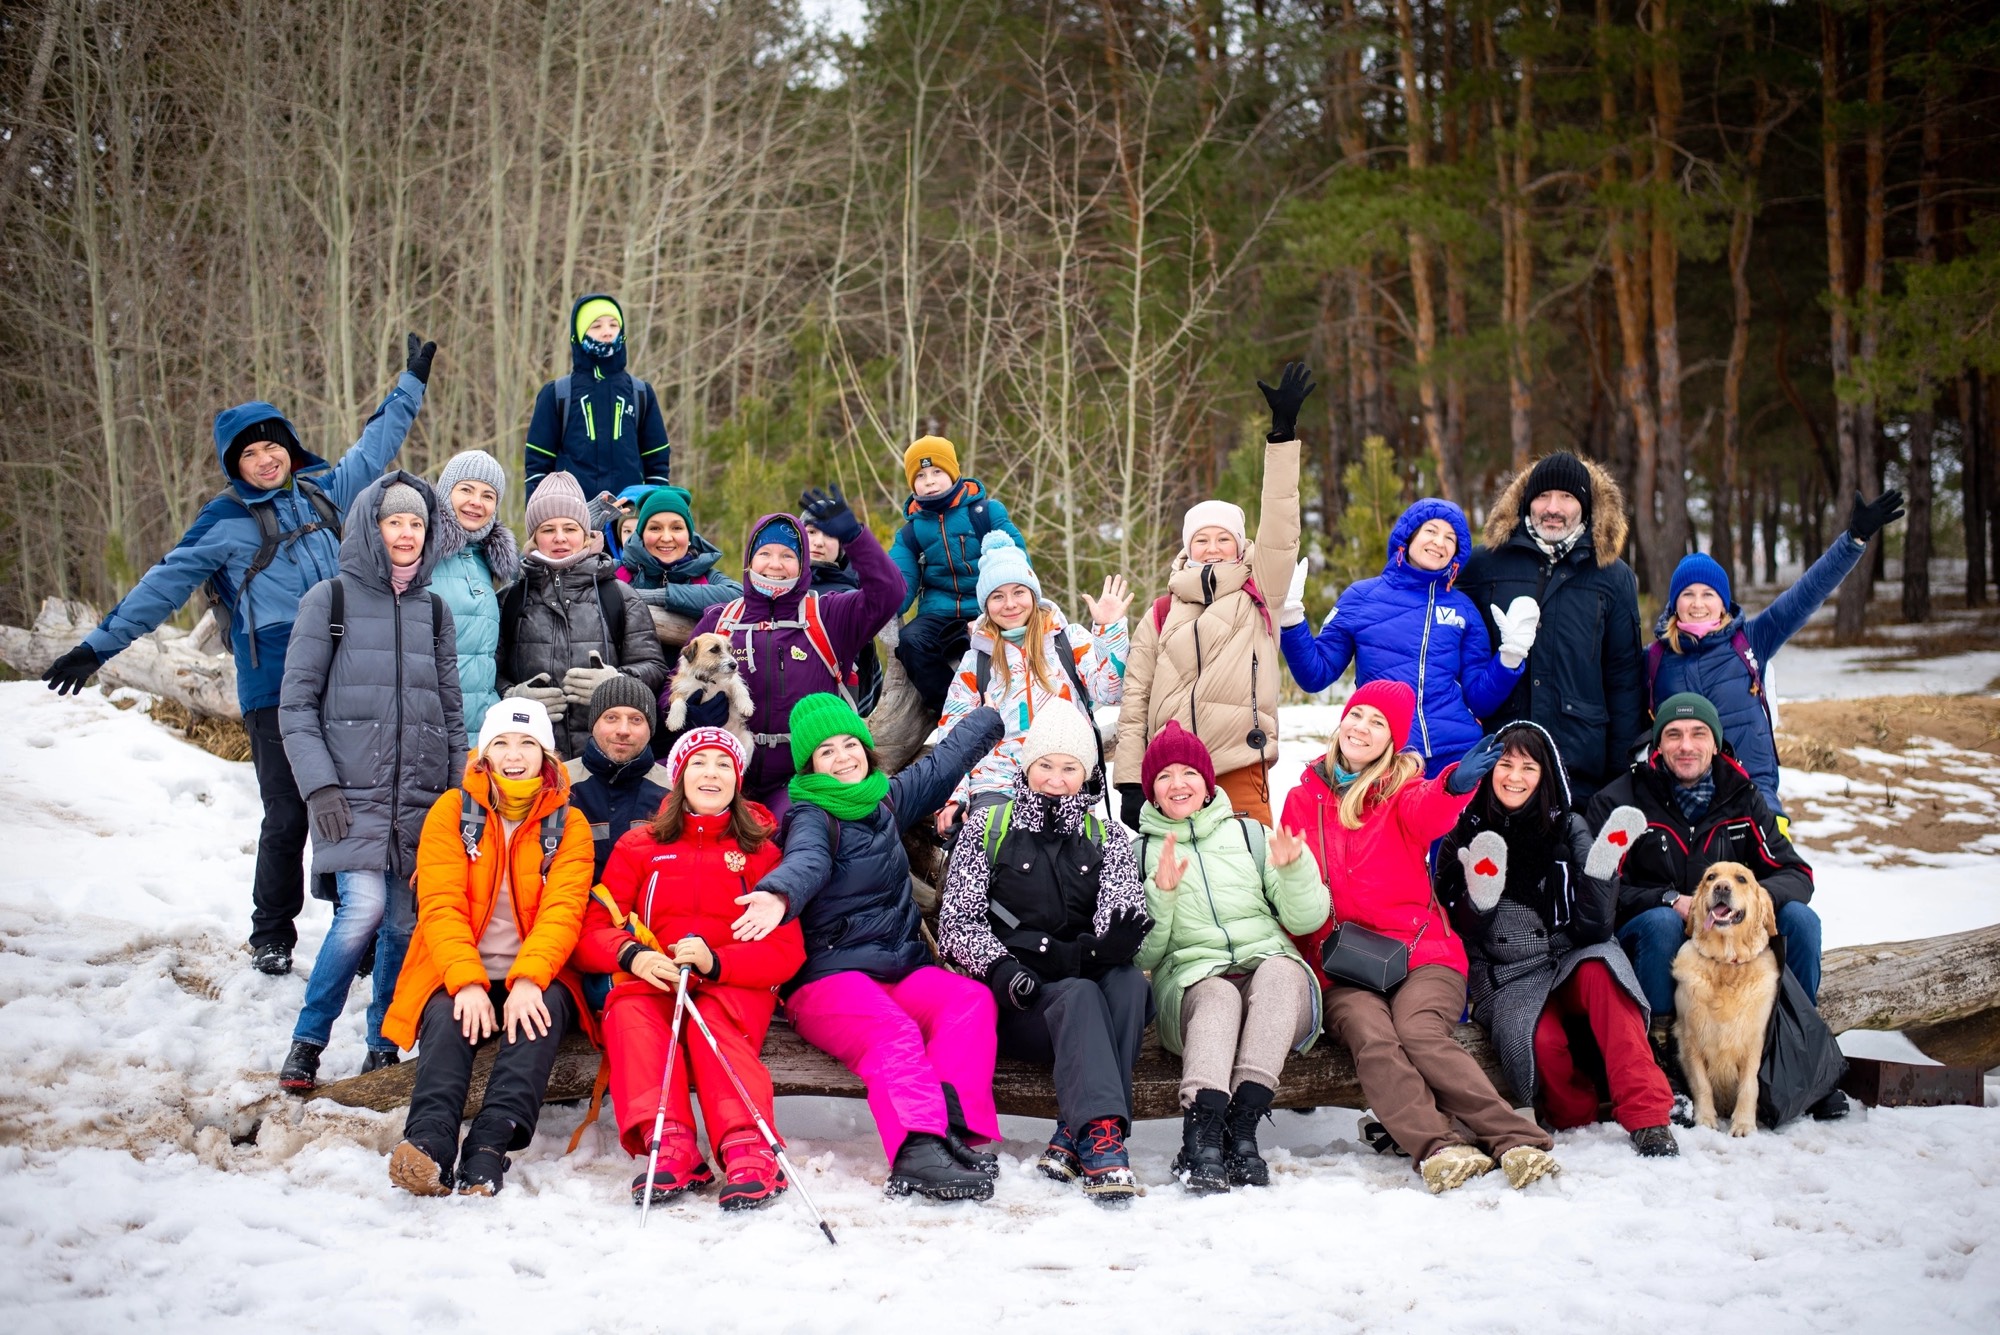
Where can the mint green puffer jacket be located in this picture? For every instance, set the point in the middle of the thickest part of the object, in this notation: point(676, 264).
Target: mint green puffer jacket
point(1227, 913)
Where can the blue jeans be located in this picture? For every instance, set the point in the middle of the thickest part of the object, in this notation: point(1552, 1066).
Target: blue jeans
point(1654, 937)
point(369, 907)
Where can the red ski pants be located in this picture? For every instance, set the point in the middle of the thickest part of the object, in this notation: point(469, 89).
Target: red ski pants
point(1590, 1005)
point(635, 1047)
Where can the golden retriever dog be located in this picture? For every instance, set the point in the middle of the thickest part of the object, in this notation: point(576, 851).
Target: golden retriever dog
point(1725, 982)
point(708, 668)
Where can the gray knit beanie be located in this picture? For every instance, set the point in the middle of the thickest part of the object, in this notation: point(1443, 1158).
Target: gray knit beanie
point(400, 498)
point(624, 692)
point(474, 466)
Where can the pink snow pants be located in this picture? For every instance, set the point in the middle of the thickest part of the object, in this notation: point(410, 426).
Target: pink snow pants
point(904, 1040)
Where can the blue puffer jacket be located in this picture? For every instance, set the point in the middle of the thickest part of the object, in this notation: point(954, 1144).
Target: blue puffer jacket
point(937, 548)
point(224, 538)
point(1412, 626)
point(854, 900)
point(465, 582)
point(1711, 666)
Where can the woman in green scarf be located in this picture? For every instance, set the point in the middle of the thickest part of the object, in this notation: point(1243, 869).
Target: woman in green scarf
point(921, 1038)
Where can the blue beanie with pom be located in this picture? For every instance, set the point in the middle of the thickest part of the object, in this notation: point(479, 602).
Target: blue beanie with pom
point(1001, 562)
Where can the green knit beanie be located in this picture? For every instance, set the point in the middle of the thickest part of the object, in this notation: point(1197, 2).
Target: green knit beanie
point(818, 717)
point(1686, 705)
point(667, 500)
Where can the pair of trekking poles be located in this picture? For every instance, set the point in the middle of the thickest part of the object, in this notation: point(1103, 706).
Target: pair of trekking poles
point(684, 1005)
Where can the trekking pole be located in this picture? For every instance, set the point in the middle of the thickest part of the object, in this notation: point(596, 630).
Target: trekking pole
point(763, 1127)
point(666, 1078)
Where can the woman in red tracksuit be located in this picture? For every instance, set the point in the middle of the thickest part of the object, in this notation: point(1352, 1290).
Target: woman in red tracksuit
point(674, 887)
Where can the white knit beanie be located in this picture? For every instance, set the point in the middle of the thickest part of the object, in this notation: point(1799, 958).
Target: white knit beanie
point(1219, 514)
point(517, 714)
point(1060, 729)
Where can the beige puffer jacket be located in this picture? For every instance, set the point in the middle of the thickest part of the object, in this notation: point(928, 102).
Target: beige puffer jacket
point(1214, 665)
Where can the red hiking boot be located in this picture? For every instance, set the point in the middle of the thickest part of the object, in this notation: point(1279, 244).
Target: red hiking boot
point(752, 1178)
point(681, 1169)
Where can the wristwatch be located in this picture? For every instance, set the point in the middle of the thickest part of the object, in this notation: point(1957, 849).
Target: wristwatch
point(1668, 897)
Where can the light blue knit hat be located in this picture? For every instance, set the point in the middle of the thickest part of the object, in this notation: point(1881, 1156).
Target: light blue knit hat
point(1001, 562)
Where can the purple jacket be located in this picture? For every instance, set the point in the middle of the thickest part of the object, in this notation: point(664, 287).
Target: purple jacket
point(780, 665)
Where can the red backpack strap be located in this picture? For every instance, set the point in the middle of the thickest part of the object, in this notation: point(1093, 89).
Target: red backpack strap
point(1161, 606)
point(815, 629)
point(1741, 644)
point(731, 619)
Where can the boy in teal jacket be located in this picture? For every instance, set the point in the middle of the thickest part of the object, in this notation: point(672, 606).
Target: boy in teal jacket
point(947, 517)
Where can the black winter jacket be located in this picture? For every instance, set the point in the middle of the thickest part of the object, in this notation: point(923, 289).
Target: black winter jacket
point(831, 576)
point(615, 798)
point(1585, 679)
point(561, 620)
point(853, 899)
point(1669, 857)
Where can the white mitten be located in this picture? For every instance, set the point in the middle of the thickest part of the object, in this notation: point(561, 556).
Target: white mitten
point(1517, 626)
point(1293, 611)
point(537, 688)
point(579, 682)
point(1614, 841)
point(1485, 863)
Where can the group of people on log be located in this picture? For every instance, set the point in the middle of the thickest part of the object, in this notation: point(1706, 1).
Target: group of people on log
point(1519, 793)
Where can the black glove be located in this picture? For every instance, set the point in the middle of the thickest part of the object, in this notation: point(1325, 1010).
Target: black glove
point(1474, 766)
point(1014, 984)
point(419, 362)
point(331, 818)
point(1130, 798)
point(829, 513)
point(1119, 941)
point(1286, 400)
point(1870, 517)
point(67, 674)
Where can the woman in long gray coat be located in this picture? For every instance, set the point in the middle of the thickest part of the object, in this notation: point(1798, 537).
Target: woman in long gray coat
point(1529, 890)
point(568, 624)
point(373, 726)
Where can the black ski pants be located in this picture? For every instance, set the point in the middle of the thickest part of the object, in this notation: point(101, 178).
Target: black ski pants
point(1088, 1030)
point(279, 891)
point(514, 1089)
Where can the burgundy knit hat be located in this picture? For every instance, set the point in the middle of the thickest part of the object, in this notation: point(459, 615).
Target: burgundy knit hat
point(1396, 701)
point(1176, 746)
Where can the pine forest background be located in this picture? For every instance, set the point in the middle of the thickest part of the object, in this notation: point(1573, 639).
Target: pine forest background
point(1748, 254)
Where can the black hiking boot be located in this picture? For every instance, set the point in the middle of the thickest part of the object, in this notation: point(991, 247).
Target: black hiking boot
point(1202, 1165)
point(1246, 1167)
point(1060, 1162)
point(482, 1172)
point(378, 1058)
point(1831, 1108)
point(1656, 1142)
point(956, 1131)
point(300, 1073)
point(273, 960)
point(924, 1167)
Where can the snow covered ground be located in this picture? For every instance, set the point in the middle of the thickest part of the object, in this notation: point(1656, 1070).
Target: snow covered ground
point(148, 1174)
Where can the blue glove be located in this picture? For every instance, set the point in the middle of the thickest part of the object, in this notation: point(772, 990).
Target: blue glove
point(1473, 766)
point(827, 511)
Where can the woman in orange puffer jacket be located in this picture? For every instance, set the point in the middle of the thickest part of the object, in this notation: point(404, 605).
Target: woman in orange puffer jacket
point(670, 892)
point(500, 893)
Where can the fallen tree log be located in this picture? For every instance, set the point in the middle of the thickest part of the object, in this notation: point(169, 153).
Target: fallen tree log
point(194, 669)
point(1946, 978)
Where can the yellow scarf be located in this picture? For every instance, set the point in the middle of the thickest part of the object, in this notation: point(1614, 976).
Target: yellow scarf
point(512, 798)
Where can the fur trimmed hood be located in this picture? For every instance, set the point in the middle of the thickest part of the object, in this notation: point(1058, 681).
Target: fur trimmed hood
point(1609, 525)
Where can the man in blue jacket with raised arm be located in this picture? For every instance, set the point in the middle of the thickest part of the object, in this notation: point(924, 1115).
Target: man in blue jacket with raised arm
point(269, 535)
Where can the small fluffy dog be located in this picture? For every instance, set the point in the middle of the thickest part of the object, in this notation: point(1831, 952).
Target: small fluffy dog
point(1726, 980)
point(708, 669)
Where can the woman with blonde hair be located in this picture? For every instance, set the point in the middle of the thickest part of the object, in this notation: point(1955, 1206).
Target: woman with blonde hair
point(1024, 656)
point(1369, 817)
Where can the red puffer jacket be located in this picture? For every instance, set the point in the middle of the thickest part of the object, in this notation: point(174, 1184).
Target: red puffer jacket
point(1379, 875)
point(690, 888)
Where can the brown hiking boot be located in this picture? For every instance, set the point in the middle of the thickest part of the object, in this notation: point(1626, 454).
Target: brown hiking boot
point(416, 1172)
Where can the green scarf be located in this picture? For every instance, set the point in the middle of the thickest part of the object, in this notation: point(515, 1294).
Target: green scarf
point(843, 801)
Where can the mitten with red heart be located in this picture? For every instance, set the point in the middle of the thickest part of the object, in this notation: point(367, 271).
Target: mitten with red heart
point(1485, 863)
point(1614, 841)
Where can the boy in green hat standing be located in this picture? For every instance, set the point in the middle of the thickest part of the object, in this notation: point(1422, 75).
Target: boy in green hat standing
point(600, 423)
